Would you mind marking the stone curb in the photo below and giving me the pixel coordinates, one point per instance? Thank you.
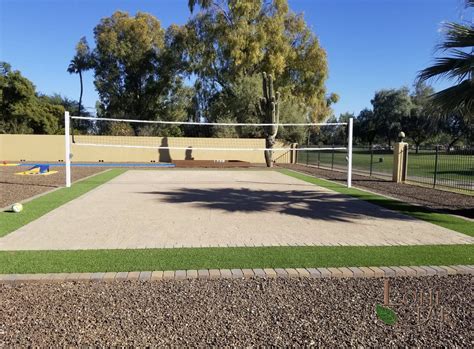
(343, 272)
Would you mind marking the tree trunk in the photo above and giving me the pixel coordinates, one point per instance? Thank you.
(451, 144)
(269, 143)
(80, 96)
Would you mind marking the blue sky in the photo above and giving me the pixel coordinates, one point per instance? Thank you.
(371, 44)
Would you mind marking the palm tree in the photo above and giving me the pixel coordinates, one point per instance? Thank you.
(80, 62)
(458, 66)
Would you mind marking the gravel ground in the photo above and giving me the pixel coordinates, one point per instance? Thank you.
(15, 188)
(243, 312)
(434, 199)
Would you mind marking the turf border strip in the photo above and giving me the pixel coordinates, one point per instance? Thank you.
(350, 272)
(79, 261)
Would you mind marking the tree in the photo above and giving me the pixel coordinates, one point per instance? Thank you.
(389, 108)
(138, 67)
(21, 109)
(457, 66)
(456, 127)
(421, 123)
(81, 62)
(71, 105)
(365, 127)
(227, 40)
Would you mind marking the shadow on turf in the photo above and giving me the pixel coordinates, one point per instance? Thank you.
(300, 203)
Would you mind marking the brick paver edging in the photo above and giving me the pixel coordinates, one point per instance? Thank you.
(343, 272)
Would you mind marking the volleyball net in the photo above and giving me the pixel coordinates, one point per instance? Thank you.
(168, 140)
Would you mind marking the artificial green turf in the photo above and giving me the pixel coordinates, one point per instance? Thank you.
(38, 207)
(444, 220)
(231, 257)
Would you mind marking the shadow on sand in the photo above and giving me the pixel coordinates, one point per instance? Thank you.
(300, 203)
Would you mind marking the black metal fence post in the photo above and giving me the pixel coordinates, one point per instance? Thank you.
(435, 167)
(319, 157)
(371, 159)
(332, 158)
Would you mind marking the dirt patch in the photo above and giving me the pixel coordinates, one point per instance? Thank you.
(14, 188)
(432, 199)
(252, 312)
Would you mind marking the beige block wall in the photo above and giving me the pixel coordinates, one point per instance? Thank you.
(51, 148)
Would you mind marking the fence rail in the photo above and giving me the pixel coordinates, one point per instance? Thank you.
(431, 166)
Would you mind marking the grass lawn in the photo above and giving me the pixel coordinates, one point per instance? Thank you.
(229, 257)
(38, 207)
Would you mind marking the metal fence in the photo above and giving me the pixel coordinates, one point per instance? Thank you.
(431, 166)
(438, 167)
(364, 160)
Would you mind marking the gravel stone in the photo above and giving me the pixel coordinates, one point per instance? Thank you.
(335, 272)
(203, 274)
(109, 277)
(325, 273)
(121, 276)
(314, 273)
(281, 272)
(95, 277)
(145, 276)
(388, 272)
(419, 271)
(237, 273)
(378, 273)
(226, 273)
(367, 272)
(191, 274)
(259, 272)
(399, 271)
(357, 272)
(168, 275)
(277, 312)
(133, 275)
(269, 272)
(180, 274)
(303, 272)
(214, 273)
(248, 273)
(156, 275)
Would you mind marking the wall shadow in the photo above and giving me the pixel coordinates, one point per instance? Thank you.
(164, 154)
(300, 203)
(188, 155)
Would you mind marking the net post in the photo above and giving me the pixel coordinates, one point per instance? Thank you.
(67, 143)
(349, 153)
